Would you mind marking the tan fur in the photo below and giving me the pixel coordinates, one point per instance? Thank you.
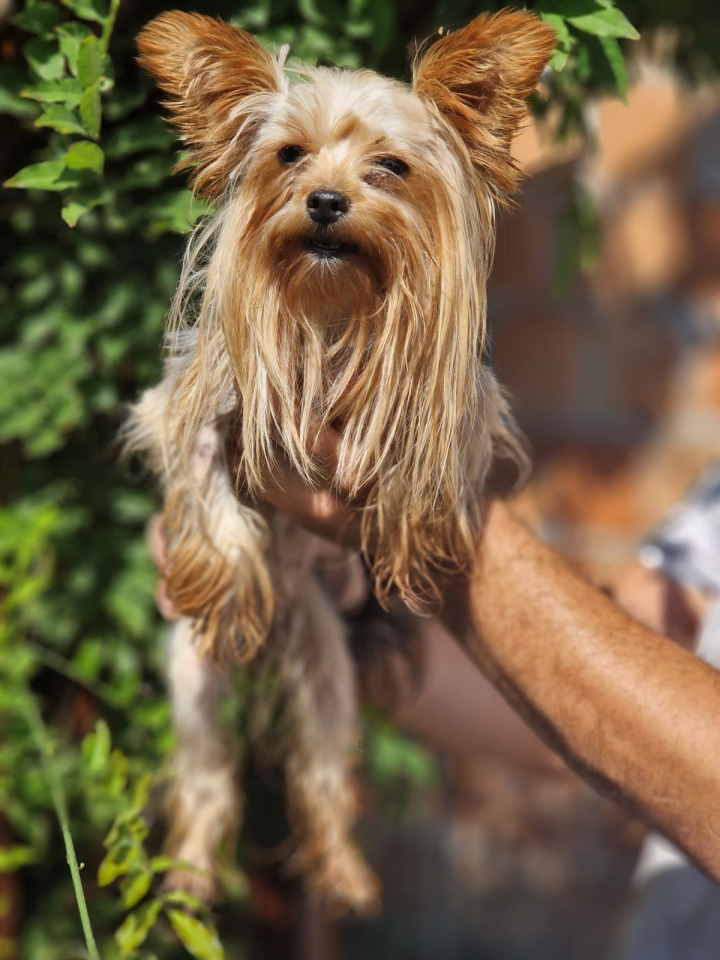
(308, 666)
(479, 79)
(203, 806)
(219, 80)
(268, 343)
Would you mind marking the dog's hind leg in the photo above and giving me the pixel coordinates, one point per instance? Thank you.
(204, 802)
(317, 743)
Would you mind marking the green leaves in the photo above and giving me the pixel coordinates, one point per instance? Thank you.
(70, 36)
(74, 71)
(117, 782)
(37, 176)
(588, 57)
(90, 61)
(45, 58)
(605, 21)
(198, 939)
(564, 39)
(79, 168)
(135, 928)
(38, 16)
(11, 858)
(397, 764)
(616, 62)
(176, 211)
(72, 210)
(90, 110)
(600, 18)
(65, 90)
(579, 239)
(61, 118)
(85, 155)
(96, 749)
(135, 886)
(95, 10)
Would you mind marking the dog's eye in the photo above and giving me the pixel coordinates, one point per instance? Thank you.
(290, 154)
(393, 164)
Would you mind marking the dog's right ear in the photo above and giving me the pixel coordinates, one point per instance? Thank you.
(219, 80)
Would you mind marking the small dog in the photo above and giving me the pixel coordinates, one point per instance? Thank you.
(340, 281)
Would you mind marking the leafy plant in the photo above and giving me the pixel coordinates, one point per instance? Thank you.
(124, 786)
(72, 69)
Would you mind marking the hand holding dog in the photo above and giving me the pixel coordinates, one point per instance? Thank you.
(631, 711)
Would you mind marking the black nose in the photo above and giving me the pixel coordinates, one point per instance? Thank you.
(327, 206)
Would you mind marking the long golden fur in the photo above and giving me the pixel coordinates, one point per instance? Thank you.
(269, 340)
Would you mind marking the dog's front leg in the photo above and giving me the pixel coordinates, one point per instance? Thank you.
(215, 565)
(216, 570)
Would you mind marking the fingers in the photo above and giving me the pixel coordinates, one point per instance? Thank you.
(326, 447)
(165, 606)
(320, 509)
(156, 542)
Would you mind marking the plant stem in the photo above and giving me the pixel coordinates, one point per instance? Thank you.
(57, 793)
(109, 25)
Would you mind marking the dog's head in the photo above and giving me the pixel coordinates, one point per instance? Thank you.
(348, 180)
(350, 251)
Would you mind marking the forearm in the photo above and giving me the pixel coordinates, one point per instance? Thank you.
(633, 712)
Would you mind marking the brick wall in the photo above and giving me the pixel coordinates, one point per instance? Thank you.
(616, 379)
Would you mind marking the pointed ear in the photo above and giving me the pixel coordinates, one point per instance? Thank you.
(219, 79)
(479, 78)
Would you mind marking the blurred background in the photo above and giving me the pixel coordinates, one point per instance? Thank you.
(605, 328)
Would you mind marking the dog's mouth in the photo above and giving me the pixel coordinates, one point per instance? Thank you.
(325, 247)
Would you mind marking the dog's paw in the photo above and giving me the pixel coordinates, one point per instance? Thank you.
(347, 883)
(201, 884)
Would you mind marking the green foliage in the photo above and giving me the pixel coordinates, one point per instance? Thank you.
(197, 937)
(398, 767)
(588, 31)
(579, 239)
(122, 786)
(74, 69)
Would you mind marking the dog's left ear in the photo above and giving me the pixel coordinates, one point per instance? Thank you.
(479, 79)
(219, 79)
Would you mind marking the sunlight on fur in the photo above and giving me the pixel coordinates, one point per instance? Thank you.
(341, 281)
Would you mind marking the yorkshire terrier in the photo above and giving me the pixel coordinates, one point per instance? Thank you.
(340, 281)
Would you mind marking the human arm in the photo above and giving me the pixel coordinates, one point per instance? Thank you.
(631, 711)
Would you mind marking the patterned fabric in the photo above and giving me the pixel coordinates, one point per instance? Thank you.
(675, 916)
(686, 546)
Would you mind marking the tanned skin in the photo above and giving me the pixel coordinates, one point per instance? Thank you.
(631, 711)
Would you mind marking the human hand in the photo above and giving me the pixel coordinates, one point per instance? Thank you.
(156, 542)
(318, 508)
